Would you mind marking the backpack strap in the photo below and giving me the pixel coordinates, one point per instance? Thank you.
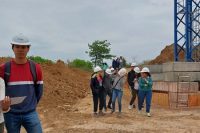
(7, 69)
(117, 82)
(33, 71)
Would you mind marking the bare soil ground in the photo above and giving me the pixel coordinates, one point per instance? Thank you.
(80, 120)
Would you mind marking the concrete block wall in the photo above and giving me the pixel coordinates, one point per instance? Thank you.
(181, 67)
(171, 71)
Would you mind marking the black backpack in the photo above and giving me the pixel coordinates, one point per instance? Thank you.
(7, 72)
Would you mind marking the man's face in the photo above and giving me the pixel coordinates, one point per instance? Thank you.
(20, 51)
(132, 67)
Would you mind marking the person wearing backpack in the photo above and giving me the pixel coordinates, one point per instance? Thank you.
(22, 78)
(145, 90)
(5, 104)
(107, 84)
(96, 85)
(118, 86)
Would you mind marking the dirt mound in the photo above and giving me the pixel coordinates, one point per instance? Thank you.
(166, 55)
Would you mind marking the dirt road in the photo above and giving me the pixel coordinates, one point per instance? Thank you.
(80, 120)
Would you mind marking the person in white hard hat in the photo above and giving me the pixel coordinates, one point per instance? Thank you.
(107, 84)
(118, 86)
(21, 81)
(145, 90)
(5, 104)
(96, 85)
(131, 81)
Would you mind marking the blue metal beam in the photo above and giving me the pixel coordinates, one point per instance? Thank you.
(186, 29)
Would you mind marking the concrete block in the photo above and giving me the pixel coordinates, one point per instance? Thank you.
(181, 67)
(173, 76)
(155, 68)
(157, 77)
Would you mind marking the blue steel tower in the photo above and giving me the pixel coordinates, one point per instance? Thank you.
(187, 29)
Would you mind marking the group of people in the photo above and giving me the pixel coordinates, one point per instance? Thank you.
(110, 82)
(118, 62)
(20, 77)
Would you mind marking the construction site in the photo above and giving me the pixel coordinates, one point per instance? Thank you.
(66, 106)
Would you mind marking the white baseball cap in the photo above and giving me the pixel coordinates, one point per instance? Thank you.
(20, 40)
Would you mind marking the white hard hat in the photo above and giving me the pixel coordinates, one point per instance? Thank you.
(133, 64)
(20, 40)
(137, 69)
(122, 72)
(108, 71)
(145, 70)
(97, 69)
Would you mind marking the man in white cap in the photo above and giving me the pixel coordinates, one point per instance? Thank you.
(131, 78)
(22, 78)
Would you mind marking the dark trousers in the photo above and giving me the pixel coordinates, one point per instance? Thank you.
(109, 93)
(134, 94)
(98, 100)
(142, 95)
(2, 127)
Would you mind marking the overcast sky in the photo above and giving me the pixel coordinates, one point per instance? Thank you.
(62, 29)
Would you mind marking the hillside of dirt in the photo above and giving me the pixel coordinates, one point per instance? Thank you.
(166, 55)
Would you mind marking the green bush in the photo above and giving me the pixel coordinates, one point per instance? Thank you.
(39, 59)
(82, 64)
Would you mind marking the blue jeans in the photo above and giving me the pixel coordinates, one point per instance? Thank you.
(29, 121)
(117, 94)
(142, 95)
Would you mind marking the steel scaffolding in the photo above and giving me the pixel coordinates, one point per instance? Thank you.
(187, 29)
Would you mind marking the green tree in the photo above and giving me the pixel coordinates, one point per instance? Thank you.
(98, 51)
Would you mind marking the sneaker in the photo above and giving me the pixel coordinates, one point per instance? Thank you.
(139, 112)
(133, 106)
(130, 107)
(95, 114)
(119, 114)
(104, 110)
(148, 114)
(112, 112)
